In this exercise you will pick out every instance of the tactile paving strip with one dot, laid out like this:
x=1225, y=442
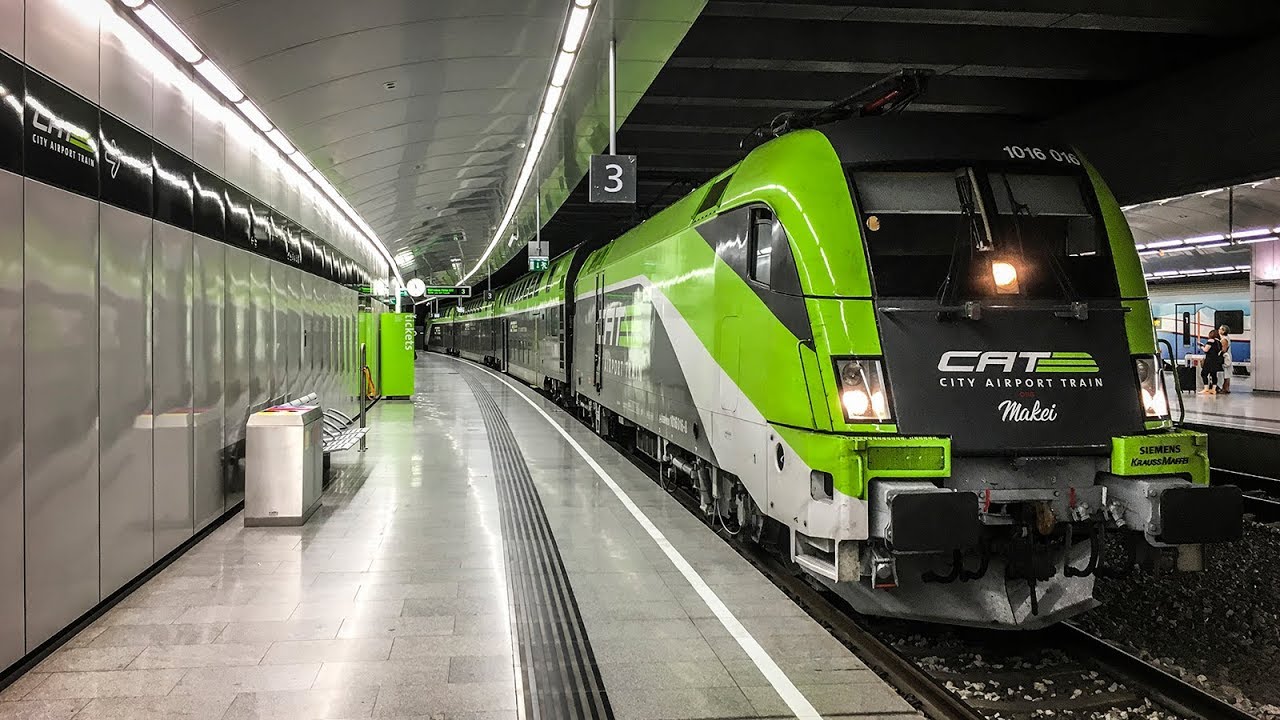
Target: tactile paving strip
x=555, y=667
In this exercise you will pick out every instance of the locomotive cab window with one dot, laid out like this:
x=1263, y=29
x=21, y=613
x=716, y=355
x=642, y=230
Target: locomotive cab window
x=760, y=255
x=945, y=234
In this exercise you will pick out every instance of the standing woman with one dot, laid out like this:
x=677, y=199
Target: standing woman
x=1226, y=360
x=1212, y=364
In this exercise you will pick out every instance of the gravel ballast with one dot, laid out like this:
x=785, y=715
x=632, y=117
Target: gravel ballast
x=1217, y=629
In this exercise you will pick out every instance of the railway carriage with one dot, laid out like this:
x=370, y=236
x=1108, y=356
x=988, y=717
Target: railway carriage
x=919, y=351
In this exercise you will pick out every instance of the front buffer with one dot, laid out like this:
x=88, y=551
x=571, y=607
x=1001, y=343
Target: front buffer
x=1015, y=542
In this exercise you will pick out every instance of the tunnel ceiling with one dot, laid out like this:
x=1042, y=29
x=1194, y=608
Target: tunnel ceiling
x=745, y=61
x=420, y=111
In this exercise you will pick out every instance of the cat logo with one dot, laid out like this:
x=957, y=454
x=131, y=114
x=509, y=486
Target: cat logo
x=1011, y=361
x=63, y=138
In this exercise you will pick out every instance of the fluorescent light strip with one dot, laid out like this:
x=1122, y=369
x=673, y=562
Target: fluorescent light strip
x=255, y=116
x=1198, y=272
x=277, y=137
x=154, y=18
x=219, y=80
x=564, y=63
x=579, y=14
x=349, y=220
x=1201, y=240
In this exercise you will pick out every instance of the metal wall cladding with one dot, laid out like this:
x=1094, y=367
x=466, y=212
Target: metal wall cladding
x=62, y=42
x=308, y=373
x=173, y=90
x=293, y=302
x=172, y=385
x=60, y=310
x=262, y=358
x=239, y=336
x=208, y=368
x=12, y=612
x=208, y=136
x=124, y=380
x=126, y=73
x=11, y=27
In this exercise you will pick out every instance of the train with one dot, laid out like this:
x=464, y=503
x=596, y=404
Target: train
x=916, y=353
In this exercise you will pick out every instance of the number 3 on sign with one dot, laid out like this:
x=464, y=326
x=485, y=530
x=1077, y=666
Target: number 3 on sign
x=613, y=181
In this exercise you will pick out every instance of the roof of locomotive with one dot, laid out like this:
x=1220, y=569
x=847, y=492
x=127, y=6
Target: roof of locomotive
x=909, y=139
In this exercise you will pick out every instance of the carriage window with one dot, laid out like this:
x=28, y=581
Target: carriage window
x=763, y=229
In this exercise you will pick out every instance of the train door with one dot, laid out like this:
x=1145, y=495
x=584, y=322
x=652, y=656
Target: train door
x=598, y=362
x=503, y=338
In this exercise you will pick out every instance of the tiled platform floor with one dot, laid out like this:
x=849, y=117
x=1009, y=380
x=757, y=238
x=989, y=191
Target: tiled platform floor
x=392, y=601
x=1241, y=408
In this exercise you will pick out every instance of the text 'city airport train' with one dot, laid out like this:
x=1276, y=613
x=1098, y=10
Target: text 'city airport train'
x=920, y=349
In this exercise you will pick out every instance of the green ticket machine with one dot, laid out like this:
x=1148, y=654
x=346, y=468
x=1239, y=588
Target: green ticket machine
x=397, y=354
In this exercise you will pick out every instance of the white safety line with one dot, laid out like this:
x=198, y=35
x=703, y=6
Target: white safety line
x=786, y=689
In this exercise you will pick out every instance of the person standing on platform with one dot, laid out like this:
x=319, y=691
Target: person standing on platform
x=1226, y=360
x=1212, y=363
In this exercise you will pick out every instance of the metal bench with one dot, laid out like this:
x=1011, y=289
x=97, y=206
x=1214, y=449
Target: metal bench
x=344, y=440
x=337, y=435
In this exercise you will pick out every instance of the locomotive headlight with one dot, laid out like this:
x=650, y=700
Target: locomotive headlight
x=1005, y=276
x=863, y=393
x=1155, y=402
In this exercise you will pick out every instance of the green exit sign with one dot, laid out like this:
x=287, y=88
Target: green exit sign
x=536, y=264
x=443, y=291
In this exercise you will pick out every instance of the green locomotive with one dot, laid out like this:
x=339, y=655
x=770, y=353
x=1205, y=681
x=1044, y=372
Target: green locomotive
x=919, y=351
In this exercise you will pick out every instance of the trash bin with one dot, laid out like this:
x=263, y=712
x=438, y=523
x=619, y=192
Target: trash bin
x=283, y=465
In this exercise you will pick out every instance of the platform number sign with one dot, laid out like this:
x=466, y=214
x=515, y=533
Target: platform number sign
x=613, y=179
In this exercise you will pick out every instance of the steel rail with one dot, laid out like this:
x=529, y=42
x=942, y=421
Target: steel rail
x=1162, y=687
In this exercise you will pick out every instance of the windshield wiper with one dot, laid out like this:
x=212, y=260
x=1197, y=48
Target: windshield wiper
x=1023, y=210
x=979, y=227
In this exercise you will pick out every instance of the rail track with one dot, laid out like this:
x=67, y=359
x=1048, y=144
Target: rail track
x=1261, y=494
x=967, y=674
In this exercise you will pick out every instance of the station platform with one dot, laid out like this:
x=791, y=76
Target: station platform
x=487, y=558
x=1241, y=409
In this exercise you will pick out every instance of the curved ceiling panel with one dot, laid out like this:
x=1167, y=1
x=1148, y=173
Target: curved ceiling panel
x=421, y=111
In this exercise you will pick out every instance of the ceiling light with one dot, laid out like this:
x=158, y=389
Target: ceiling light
x=177, y=40
x=256, y=116
x=579, y=14
x=281, y=141
x=553, y=100
x=301, y=161
x=1255, y=232
x=219, y=80
x=577, y=26
x=564, y=63
x=1204, y=239
x=134, y=4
